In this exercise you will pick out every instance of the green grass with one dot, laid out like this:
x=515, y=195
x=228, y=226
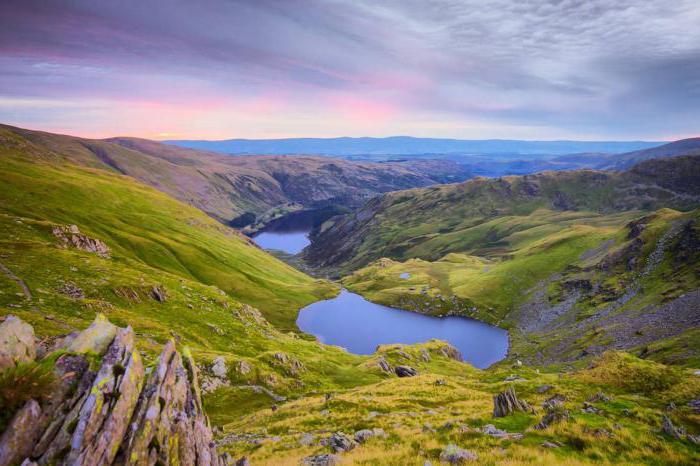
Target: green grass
x=141, y=224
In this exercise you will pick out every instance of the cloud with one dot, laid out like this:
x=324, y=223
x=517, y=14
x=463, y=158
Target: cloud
x=543, y=69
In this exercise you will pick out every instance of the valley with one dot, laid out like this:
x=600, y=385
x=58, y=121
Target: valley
x=577, y=289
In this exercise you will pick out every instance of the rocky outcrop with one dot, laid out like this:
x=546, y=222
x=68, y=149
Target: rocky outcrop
x=117, y=414
x=17, y=342
x=70, y=235
x=405, y=371
x=507, y=403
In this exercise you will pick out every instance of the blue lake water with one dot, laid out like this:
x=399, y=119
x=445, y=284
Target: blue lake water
x=358, y=325
x=291, y=242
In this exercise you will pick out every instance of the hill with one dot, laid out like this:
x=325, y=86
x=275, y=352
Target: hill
x=404, y=145
x=624, y=161
x=227, y=187
x=552, y=256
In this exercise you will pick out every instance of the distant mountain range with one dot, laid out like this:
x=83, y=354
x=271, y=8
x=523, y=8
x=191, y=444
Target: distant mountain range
x=405, y=145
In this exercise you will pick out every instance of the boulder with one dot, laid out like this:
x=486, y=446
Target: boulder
x=671, y=430
x=159, y=293
x=361, y=436
x=340, y=442
x=218, y=367
x=96, y=338
x=405, y=371
x=553, y=416
x=17, y=342
x=117, y=414
x=14, y=444
x=543, y=388
x=321, y=460
x=507, y=403
x=70, y=235
x=554, y=401
x=452, y=454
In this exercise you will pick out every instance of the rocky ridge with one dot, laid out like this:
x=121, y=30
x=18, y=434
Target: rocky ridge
x=105, y=406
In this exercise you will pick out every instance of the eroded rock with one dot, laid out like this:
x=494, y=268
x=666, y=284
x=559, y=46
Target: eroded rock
x=70, y=235
x=507, y=403
x=17, y=342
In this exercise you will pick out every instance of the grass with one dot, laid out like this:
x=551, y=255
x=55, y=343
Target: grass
x=143, y=225
x=211, y=275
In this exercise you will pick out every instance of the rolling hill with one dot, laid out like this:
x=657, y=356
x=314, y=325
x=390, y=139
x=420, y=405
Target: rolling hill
x=574, y=263
x=227, y=187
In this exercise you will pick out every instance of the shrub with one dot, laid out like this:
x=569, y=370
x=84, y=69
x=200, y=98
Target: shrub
x=21, y=383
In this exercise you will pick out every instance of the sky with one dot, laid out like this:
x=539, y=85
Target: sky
x=469, y=69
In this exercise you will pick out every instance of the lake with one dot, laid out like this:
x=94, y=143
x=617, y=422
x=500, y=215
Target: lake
x=291, y=242
x=358, y=325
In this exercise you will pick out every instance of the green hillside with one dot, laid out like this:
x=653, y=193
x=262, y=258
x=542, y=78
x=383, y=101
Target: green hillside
x=142, y=225
x=143, y=259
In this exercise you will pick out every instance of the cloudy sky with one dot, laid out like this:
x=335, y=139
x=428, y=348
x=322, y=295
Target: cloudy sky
x=589, y=69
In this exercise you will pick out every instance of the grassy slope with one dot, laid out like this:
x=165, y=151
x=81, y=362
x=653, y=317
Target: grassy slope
x=473, y=217
x=159, y=241
x=489, y=281
x=142, y=224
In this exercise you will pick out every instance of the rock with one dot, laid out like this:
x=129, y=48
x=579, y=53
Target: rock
x=543, y=388
x=553, y=416
x=14, y=444
x=243, y=461
x=695, y=405
x=70, y=236
x=96, y=338
x=553, y=401
x=508, y=403
x=383, y=364
x=116, y=415
x=321, y=460
x=452, y=454
x=589, y=408
x=451, y=352
x=159, y=293
x=216, y=329
x=361, y=436
x=218, y=367
x=306, y=439
x=513, y=378
x=243, y=367
x=405, y=371
x=490, y=429
x=548, y=444
x=599, y=397
x=672, y=431
x=440, y=382
x=17, y=342
x=72, y=290
x=340, y=442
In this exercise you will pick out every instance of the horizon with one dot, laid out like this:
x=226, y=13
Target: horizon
x=271, y=70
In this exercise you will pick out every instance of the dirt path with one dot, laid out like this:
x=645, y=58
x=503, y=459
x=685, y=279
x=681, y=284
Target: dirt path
x=16, y=279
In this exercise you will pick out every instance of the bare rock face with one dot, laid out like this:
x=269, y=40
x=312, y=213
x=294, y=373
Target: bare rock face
x=405, y=371
x=17, y=343
x=70, y=235
x=96, y=338
x=507, y=403
x=117, y=414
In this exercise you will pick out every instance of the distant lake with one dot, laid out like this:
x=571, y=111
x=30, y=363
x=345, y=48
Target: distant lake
x=358, y=325
x=291, y=242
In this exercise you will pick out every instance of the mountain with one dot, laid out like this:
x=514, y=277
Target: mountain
x=689, y=146
x=228, y=187
x=141, y=226
x=128, y=332
x=552, y=256
x=404, y=145
x=427, y=222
